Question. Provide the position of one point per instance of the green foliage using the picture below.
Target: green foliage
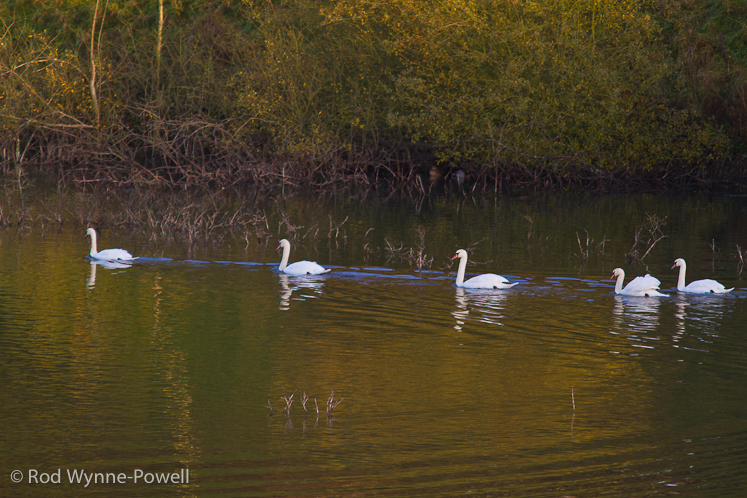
(535, 82)
(603, 85)
(709, 41)
(45, 86)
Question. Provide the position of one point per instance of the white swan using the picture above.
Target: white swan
(706, 286)
(107, 254)
(484, 281)
(299, 267)
(639, 286)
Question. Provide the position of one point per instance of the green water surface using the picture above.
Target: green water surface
(556, 387)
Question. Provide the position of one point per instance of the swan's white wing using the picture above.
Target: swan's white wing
(304, 268)
(113, 255)
(642, 286)
(642, 293)
(488, 281)
(706, 286)
(639, 284)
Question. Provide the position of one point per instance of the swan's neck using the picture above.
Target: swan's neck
(94, 252)
(460, 272)
(284, 261)
(681, 279)
(619, 283)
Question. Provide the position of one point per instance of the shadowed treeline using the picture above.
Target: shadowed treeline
(313, 93)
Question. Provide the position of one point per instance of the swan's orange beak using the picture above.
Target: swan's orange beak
(455, 257)
(278, 247)
(613, 276)
(673, 266)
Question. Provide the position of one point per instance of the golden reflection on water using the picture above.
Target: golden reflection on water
(447, 391)
(462, 372)
(171, 362)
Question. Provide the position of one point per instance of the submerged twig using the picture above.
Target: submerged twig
(421, 259)
(291, 229)
(573, 419)
(304, 399)
(415, 257)
(741, 255)
(332, 403)
(583, 255)
(288, 401)
(573, 400)
(272, 410)
(653, 228)
(335, 227)
(600, 246)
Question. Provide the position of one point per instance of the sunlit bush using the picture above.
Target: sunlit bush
(527, 82)
(590, 85)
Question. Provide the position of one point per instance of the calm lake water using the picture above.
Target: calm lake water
(556, 387)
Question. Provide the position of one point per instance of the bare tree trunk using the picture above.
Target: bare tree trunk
(160, 37)
(92, 79)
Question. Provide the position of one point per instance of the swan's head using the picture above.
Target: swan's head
(461, 253)
(284, 244)
(617, 272)
(91, 233)
(678, 262)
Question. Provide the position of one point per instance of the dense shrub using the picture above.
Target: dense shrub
(234, 88)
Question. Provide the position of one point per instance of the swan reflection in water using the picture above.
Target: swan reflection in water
(700, 313)
(488, 304)
(108, 265)
(289, 284)
(680, 314)
(636, 314)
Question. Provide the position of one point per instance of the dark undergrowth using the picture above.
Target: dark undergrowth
(385, 173)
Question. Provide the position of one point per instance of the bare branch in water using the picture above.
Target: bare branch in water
(335, 227)
(646, 236)
(415, 257)
(332, 403)
(288, 401)
(573, 400)
(583, 255)
(304, 399)
(291, 229)
(272, 410)
(740, 266)
(600, 246)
